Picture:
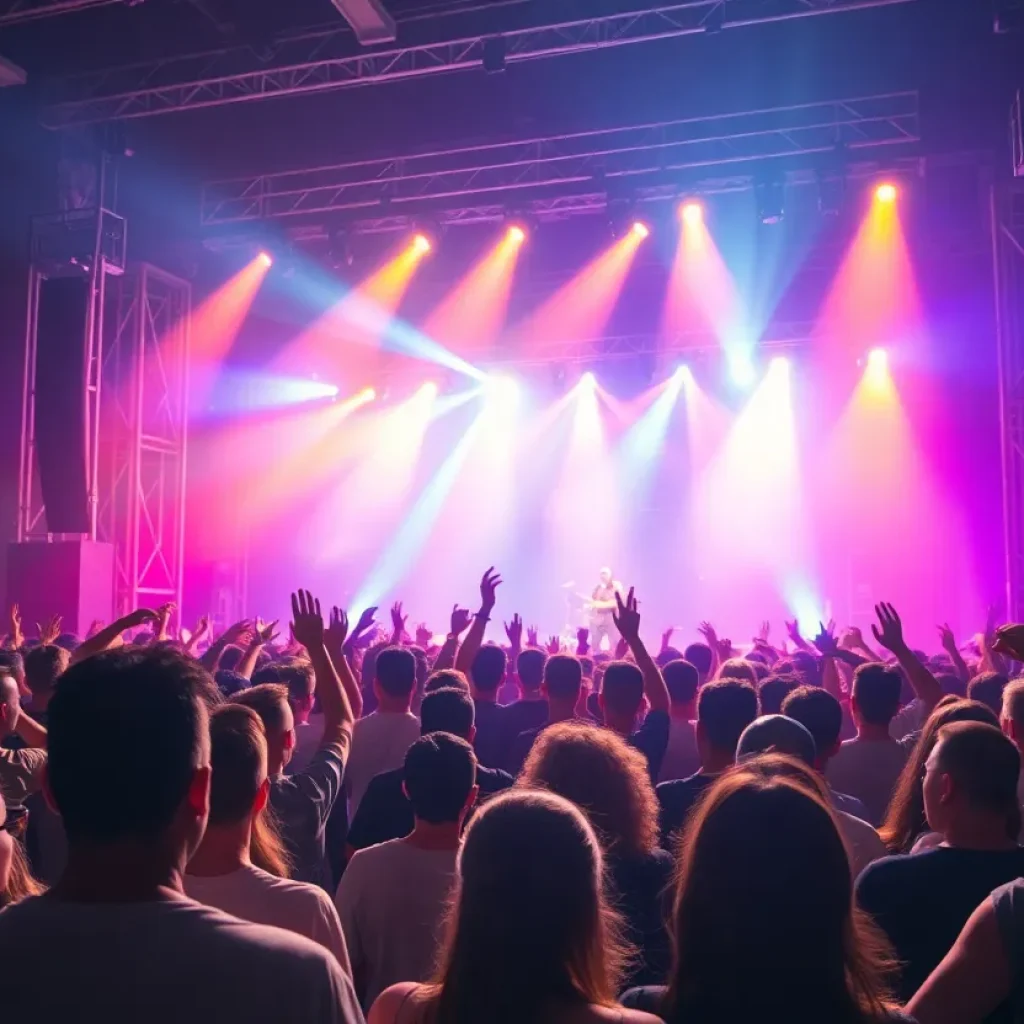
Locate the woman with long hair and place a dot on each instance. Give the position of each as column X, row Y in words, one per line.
column 16, row 881
column 610, row 782
column 531, row 939
column 764, row 924
column 905, row 821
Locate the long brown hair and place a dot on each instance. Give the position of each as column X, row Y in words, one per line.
column 529, row 929
column 764, row 922
column 21, row 883
column 905, row 819
column 602, row 775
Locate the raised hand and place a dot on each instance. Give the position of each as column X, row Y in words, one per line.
column 49, row 630
column 398, row 620
column 488, row 587
column 514, row 632
column 793, row 630
column 16, row 635
column 889, row 631
column 1010, row 641
column 237, row 633
column 531, row 637
column 582, row 640
column 264, row 635
column 366, row 621
column 946, row 637
column 94, row 627
column 761, row 640
column 336, row 632
column 666, row 637
column 423, row 636
column 851, row 639
column 460, row 620
column 627, row 617
column 554, row 645
column 707, row 631
column 307, row 622
column 825, row 641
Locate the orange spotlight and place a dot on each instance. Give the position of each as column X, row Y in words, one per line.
column 265, row 258
column 640, row 229
column 878, row 359
column 516, row 234
column 692, row 212
column 421, row 243
column 886, row 192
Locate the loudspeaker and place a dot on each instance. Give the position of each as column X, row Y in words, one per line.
column 60, row 411
column 71, row 578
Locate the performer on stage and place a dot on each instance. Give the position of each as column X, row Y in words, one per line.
column 601, row 605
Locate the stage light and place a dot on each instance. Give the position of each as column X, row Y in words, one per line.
column 588, row 381
column 878, row 360
column 741, row 370
column 516, row 233
column 429, row 388
column 692, row 212
column 886, row 192
column 682, row 373
column 421, row 243
column 779, row 363
column 640, row 229
column 503, row 390
column 265, row 258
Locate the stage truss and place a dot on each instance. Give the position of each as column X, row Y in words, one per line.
column 321, row 61
column 144, row 438
column 648, row 160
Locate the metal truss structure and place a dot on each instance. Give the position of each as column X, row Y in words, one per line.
column 17, row 11
column 320, row 61
column 651, row 155
column 143, row 437
column 1008, row 259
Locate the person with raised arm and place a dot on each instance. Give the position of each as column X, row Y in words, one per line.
column 460, row 621
column 236, row 635
column 110, row 636
column 303, row 801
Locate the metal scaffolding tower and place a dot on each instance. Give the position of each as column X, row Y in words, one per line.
column 321, row 61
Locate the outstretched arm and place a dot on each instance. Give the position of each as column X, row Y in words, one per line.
column 109, row 635
column 237, row 634
column 260, row 638
column 398, row 621
column 889, row 633
column 334, row 639
column 475, row 637
column 950, row 647
column 627, row 621
column 450, row 648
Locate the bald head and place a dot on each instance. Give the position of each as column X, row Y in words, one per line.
column 10, row 706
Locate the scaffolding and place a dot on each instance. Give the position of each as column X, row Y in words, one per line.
column 322, row 61
column 144, row 437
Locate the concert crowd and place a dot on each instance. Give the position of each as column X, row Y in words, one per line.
column 337, row 821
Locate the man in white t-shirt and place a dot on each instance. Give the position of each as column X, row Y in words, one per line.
column 221, row 872
column 116, row 939
column 380, row 741
column 393, row 897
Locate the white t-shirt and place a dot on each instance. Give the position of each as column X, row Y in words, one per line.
column 379, row 744
column 258, row 896
column 868, row 770
column 307, row 742
column 392, row 900
column 862, row 841
column 682, row 758
column 163, row 962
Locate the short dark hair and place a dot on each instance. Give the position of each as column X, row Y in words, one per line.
column 488, row 668
column 396, row 671
column 448, row 710
column 230, row 683
column 666, row 655
column 988, row 687
column 774, row 689
column 725, row 708
column 563, row 676
column 876, row 689
column 148, row 705
column 819, row 711
column 295, row 673
column 238, row 762
column 682, row 680
column 778, row 734
column 983, row 762
column 700, row 657
column 44, row 665
column 269, row 701
column 623, row 687
column 440, row 771
column 446, row 679
column 530, row 668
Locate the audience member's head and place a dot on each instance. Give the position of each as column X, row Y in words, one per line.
column 10, row 705
column 970, row 784
column 875, row 696
column 230, row 683
column 395, row 678
column 821, row 714
column 440, row 778
column 446, row 679
column 807, row 667
column 270, row 702
column 297, row 675
column 701, row 658
column 240, row 787
column 1011, row 718
column 987, row 687
column 725, row 708
column 563, row 679
column 12, row 664
column 530, row 669
column 774, row 689
column 905, row 819
column 668, row 654
column 44, row 665
column 16, row 881
column 682, row 680
column 602, row 775
column 148, row 705
column 488, row 669
column 738, row 668
column 531, row 861
column 448, row 710
column 951, row 683
column 776, row 734
column 622, row 693
column 760, row 850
